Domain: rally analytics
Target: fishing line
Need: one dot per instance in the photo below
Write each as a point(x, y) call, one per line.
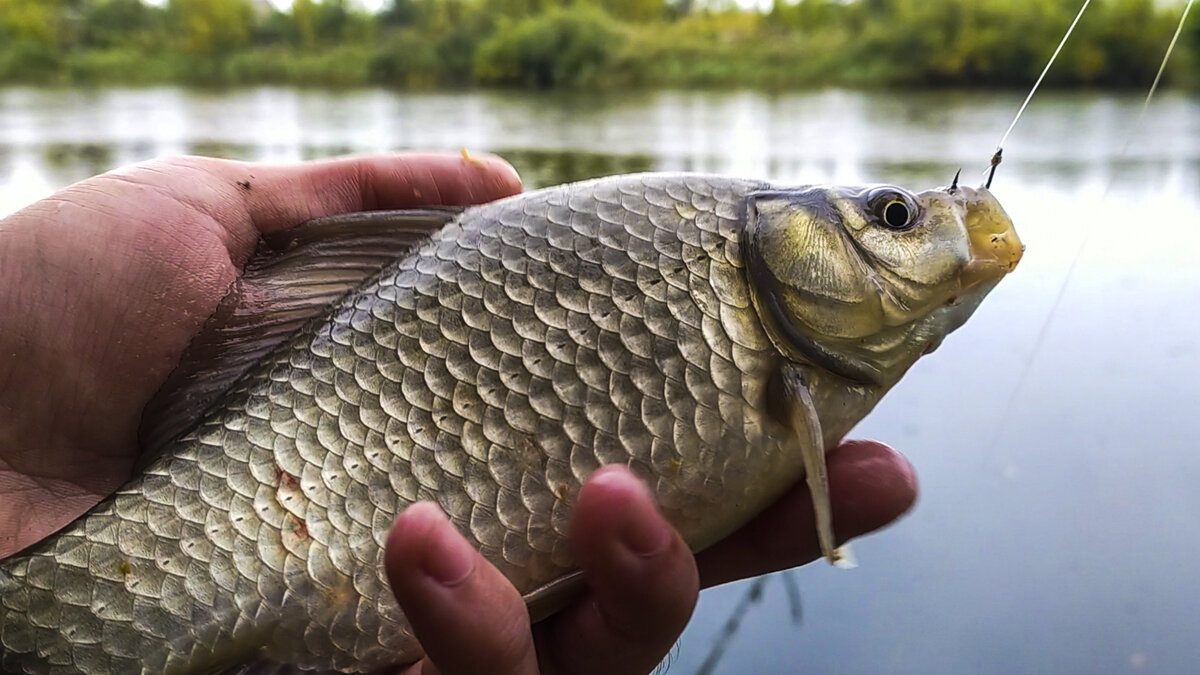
point(1053, 57)
point(990, 172)
point(1154, 87)
point(1040, 340)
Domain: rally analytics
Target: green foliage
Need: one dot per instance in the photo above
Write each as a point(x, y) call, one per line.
point(329, 22)
point(120, 65)
point(341, 66)
point(400, 13)
point(30, 22)
point(408, 60)
point(712, 50)
point(956, 42)
point(569, 47)
point(108, 24)
point(636, 11)
point(211, 28)
point(593, 43)
point(31, 49)
point(30, 63)
point(456, 50)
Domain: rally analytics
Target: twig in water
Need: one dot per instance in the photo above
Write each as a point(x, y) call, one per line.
point(752, 596)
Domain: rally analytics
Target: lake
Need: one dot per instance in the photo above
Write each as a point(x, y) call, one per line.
point(1055, 435)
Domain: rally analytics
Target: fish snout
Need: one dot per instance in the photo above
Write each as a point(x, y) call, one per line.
point(995, 247)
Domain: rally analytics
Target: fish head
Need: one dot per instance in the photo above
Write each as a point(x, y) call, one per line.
point(861, 281)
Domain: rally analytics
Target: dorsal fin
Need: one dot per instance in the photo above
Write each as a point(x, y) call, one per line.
point(293, 277)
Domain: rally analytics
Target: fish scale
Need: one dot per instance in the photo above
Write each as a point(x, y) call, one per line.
point(490, 371)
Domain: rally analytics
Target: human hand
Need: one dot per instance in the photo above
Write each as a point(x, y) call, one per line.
point(642, 582)
point(104, 284)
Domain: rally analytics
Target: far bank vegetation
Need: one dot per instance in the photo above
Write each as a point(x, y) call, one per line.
point(589, 43)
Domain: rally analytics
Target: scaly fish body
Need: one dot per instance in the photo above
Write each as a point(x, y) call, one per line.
point(491, 369)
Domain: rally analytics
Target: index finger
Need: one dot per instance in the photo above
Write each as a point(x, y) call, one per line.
point(280, 196)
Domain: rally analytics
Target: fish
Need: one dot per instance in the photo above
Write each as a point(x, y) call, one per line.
point(716, 335)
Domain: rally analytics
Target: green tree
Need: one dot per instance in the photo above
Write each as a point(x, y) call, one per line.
point(517, 9)
point(211, 27)
point(304, 18)
point(569, 47)
point(117, 23)
point(30, 21)
point(31, 44)
point(329, 22)
point(276, 28)
point(634, 10)
point(399, 13)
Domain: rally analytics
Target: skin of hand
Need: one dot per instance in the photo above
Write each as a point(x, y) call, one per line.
point(104, 284)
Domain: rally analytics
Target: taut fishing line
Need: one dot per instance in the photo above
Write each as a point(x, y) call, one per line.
point(1053, 57)
point(990, 172)
point(1039, 341)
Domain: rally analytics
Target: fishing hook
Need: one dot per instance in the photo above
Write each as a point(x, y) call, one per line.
point(996, 159)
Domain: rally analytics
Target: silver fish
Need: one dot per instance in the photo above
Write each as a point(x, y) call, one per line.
point(715, 335)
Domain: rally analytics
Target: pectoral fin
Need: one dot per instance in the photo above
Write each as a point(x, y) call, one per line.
point(545, 600)
point(293, 278)
point(802, 415)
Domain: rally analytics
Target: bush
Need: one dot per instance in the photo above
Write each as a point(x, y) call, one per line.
point(341, 66)
point(30, 62)
point(119, 66)
point(594, 43)
point(569, 47)
point(408, 60)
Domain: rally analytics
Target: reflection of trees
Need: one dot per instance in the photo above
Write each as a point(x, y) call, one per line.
point(78, 160)
point(539, 168)
point(222, 149)
point(752, 596)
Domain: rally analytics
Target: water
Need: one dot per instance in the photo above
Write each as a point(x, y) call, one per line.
point(1061, 538)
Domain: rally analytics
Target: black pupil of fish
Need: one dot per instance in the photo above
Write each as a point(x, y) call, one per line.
point(895, 215)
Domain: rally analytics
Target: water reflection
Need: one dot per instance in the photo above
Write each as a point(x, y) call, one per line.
point(539, 168)
point(243, 151)
point(1057, 537)
point(75, 162)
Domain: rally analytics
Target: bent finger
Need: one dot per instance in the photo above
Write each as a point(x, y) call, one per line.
point(280, 196)
point(641, 578)
point(246, 199)
point(453, 597)
point(870, 486)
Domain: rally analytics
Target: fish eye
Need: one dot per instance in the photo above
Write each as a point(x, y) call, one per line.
point(896, 215)
point(893, 210)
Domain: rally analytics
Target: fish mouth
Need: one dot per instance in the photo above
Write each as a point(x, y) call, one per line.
point(995, 247)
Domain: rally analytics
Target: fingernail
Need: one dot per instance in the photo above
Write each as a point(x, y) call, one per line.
point(643, 536)
point(646, 538)
point(450, 559)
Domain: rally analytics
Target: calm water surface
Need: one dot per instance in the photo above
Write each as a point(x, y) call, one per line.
point(1059, 525)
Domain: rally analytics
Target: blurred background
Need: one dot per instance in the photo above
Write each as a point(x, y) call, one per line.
point(1055, 434)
